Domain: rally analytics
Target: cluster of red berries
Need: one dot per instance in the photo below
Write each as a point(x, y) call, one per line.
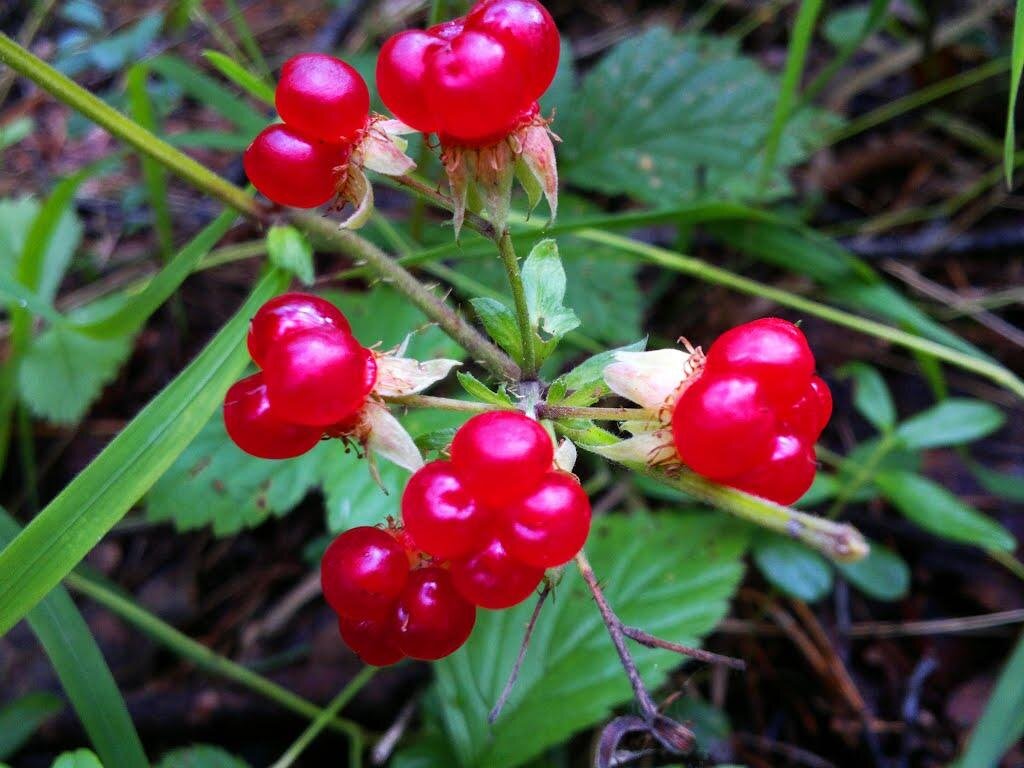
point(325, 106)
point(752, 417)
point(314, 378)
point(479, 531)
point(475, 79)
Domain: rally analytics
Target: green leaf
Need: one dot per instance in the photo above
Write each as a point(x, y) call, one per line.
point(883, 574)
point(83, 673)
point(793, 568)
point(679, 592)
point(1002, 722)
point(200, 756)
point(240, 76)
point(585, 383)
point(1005, 486)
point(62, 372)
point(1016, 67)
point(38, 241)
point(871, 395)
point(700, 113)
point(500, 324)
point(480, 392)
point(80, 758)
point(937, 510)
point(290, 250)
point(954, 421)
point(64, 532)
point(544, 285)
point(154, 174)
point(20, 718)
point(709, 724)
point(844, 26)
point(16, 130)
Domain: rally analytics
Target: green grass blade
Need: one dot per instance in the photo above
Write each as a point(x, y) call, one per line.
point(796, 57)
point(1002, 722)
point(154, 175)
point(64, 532)
point(240, 76)
point(1016, 66)
point(83, 673)
point(874, 19)
point(247, 38)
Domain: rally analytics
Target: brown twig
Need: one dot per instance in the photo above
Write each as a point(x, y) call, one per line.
point(514, 675)
point(650, 641)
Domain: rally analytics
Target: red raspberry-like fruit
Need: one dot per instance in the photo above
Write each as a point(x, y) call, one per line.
point(502, 455)
point(322, 97)
point(372, 640)
point(363, 572)
point(256, 429)
point(401, 70)
point(550, 525)
point(440, 513)
point(787, 474)
point(810, 414)
point(432, 619)
point(527, 31)
point(771, 350)
point(723, 426)
point(319, 376)
point(291, 169)
point(491, 578)
point(290, 312)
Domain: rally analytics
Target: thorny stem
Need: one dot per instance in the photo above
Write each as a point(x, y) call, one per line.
point(514, 674)
point(554, 412)
point(507, 251)
point(427, 192)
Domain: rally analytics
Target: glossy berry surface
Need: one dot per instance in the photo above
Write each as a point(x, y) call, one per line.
point(772, 350)
point(318, 376)
point(550, 525)
point(372, 640)
point(440, 513)
point(491, 578)
point(255, 429)
point(291, 169)
point(528, 32)
point(401, 71)
point(723, 425)
point(363, 572)
point(432, 619)
point(502, 455)
point(810, 414)
point(322, 97)
point(287, 313)
point(787, 474)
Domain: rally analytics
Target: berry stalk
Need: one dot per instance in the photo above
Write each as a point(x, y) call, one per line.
point(507, 251)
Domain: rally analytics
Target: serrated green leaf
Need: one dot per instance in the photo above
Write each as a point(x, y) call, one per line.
point(200, 756)
point(871, 395)
point(795, 569)
point(954, 421)
point(937, 510)
point(678, 592)
point(80, 758)
point(70, 525)
point(883, 574)
point(290, 250)
point(20, 718)
point(544, 286)
point(480, 391)
point(240, 76)
point(501, 325)
point(63, 371)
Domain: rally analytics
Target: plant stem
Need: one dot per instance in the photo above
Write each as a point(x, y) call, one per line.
point(514, 674)
point(444, 403)
point(326, 715)
point(650, 641)
point(864, 472)
point(507, 251)
point(554, 412)
point(425, 191)
point(199, 654)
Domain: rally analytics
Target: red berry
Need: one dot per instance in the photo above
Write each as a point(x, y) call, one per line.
point(322, 97)
point(401, 68)
point(527, 30)
point(363, 572)
point(441, 515)
point(550, 525)
point(256, 430)
point(773, 351)
point(290, 312)
point(291, 169)
point(491, 578)
point(372, 640)
point(502, 455)
point(810, 414)
point(474, 88)
point(787, 474)
point(433, 620)
point(319, 376)
point(723, 425)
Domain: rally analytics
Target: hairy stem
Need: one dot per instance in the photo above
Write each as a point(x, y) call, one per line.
point(650, 641)
point(444, 403)
point(425, 191)
point(507, 251)
point(554, 412)
point(514, 674)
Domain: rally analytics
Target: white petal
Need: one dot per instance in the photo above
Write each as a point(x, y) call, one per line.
point(650, 379)
point(393, 127)
point(565, 456)
point(644, 449)
point(381, 153)
point(405, 376)
point(388, 438)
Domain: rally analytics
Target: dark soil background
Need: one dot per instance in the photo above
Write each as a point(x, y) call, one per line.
point(849, 682)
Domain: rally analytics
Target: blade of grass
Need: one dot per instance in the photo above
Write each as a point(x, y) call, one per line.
point(83, 673)
point(796, 57)
point(153, 173)
point(64, 532)
point(1002, 722)
point(874, 19)
point(1016, 67)
point(240, 76)
point(248, 40)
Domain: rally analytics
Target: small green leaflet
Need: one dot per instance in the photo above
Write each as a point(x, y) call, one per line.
point(795, 569)
point(544, 285)
point(290, 250)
